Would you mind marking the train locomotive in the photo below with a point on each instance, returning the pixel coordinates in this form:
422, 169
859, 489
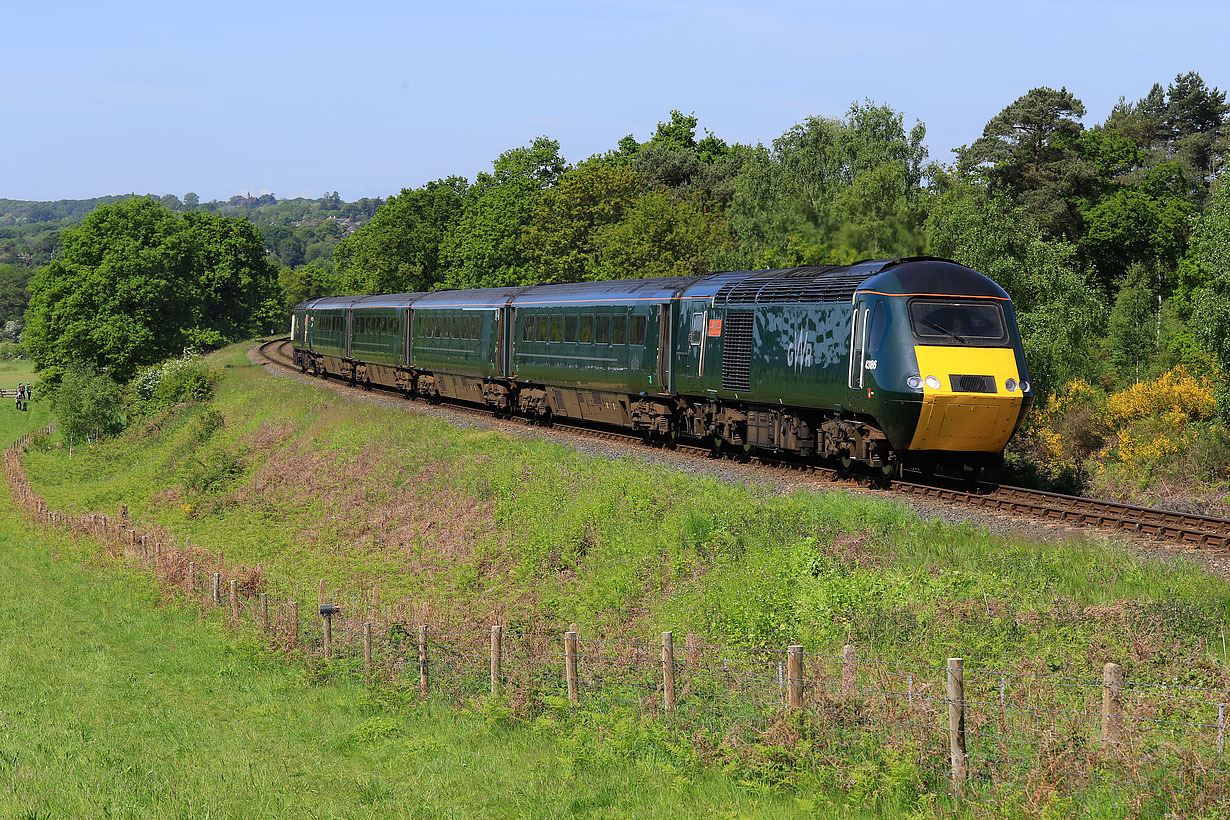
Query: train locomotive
890, 363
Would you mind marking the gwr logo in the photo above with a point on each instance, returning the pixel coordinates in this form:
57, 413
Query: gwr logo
800, 352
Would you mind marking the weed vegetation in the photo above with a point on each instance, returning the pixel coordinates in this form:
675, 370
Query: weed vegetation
468, 527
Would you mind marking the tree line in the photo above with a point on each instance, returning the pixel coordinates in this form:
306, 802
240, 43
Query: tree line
1111, 237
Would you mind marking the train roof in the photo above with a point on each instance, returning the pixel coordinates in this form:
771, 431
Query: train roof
379, 300
620, 291
932, 277
920, 275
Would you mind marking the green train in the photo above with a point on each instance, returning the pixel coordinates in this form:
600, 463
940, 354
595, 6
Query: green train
888, 363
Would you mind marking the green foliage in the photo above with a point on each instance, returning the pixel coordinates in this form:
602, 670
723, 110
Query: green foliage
175, 381
559, 243
87, 405
838, 189
1211, 310
399, 249
1030, 152
1134, 325
484, 248
136, 283
659, 236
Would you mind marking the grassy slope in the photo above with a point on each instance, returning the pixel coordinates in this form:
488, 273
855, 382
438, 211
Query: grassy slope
114, 706
474, 526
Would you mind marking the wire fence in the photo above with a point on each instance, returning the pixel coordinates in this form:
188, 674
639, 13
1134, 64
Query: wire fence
987, 736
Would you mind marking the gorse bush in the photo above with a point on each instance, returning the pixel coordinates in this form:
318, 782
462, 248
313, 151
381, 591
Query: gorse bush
1167, 427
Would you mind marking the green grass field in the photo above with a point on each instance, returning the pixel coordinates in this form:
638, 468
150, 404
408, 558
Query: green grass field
129, 708
115, 704
471, 527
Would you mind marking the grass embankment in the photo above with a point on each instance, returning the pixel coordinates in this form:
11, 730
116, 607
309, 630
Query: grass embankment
112, 705
473, 527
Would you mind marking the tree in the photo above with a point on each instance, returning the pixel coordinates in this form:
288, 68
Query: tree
1211, 313
483, 249
832, 190
136, 283
1134, 324
307, 282
559, 241
399, 249
1031, 152
1133, 226
86, 405
191, 200
659, 236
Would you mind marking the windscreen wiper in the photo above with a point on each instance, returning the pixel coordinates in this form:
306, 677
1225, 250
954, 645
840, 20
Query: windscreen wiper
944, 330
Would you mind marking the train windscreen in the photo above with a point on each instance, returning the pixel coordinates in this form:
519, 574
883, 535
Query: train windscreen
958, 323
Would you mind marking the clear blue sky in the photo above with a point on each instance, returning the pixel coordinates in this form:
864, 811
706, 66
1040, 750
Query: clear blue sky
367, 98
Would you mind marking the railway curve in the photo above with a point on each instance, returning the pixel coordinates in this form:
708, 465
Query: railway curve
1078, 511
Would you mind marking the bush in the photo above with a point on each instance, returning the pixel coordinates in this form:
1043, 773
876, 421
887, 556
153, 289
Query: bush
175, 381
12, 350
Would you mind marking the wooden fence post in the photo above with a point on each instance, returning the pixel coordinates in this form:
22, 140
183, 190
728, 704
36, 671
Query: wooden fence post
1112, 704
570, 666
192, 578
497, 635
294, 625
328, 634
956, 724
367, 648
265, 611
423, 660
849, 672
217, 589
794, 676
668, 671
234, 601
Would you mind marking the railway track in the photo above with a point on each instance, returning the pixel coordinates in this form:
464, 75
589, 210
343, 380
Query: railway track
1168, 525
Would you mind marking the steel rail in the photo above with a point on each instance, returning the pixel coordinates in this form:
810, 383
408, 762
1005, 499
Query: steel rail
1078, 511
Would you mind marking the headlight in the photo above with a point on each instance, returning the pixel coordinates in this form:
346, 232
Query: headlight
933, 383
1024, 387
913, 382
1010, 385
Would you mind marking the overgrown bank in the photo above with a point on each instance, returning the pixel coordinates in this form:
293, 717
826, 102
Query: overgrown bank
472, 527
739, 565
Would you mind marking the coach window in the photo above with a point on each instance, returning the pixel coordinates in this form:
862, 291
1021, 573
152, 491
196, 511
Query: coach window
570, 328
542, 327
557, 328
638, 331
587, 329
602, 330
527, 329
619, 330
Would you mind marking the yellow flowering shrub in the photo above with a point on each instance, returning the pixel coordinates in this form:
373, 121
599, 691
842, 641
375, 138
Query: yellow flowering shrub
1140, 428
1176, 397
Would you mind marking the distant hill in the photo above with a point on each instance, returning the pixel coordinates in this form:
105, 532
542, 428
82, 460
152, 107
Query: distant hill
30, 230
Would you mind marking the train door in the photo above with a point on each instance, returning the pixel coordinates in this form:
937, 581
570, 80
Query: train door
348, 325
664, 349
502, 326
858, 348
689, 355
406, 343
